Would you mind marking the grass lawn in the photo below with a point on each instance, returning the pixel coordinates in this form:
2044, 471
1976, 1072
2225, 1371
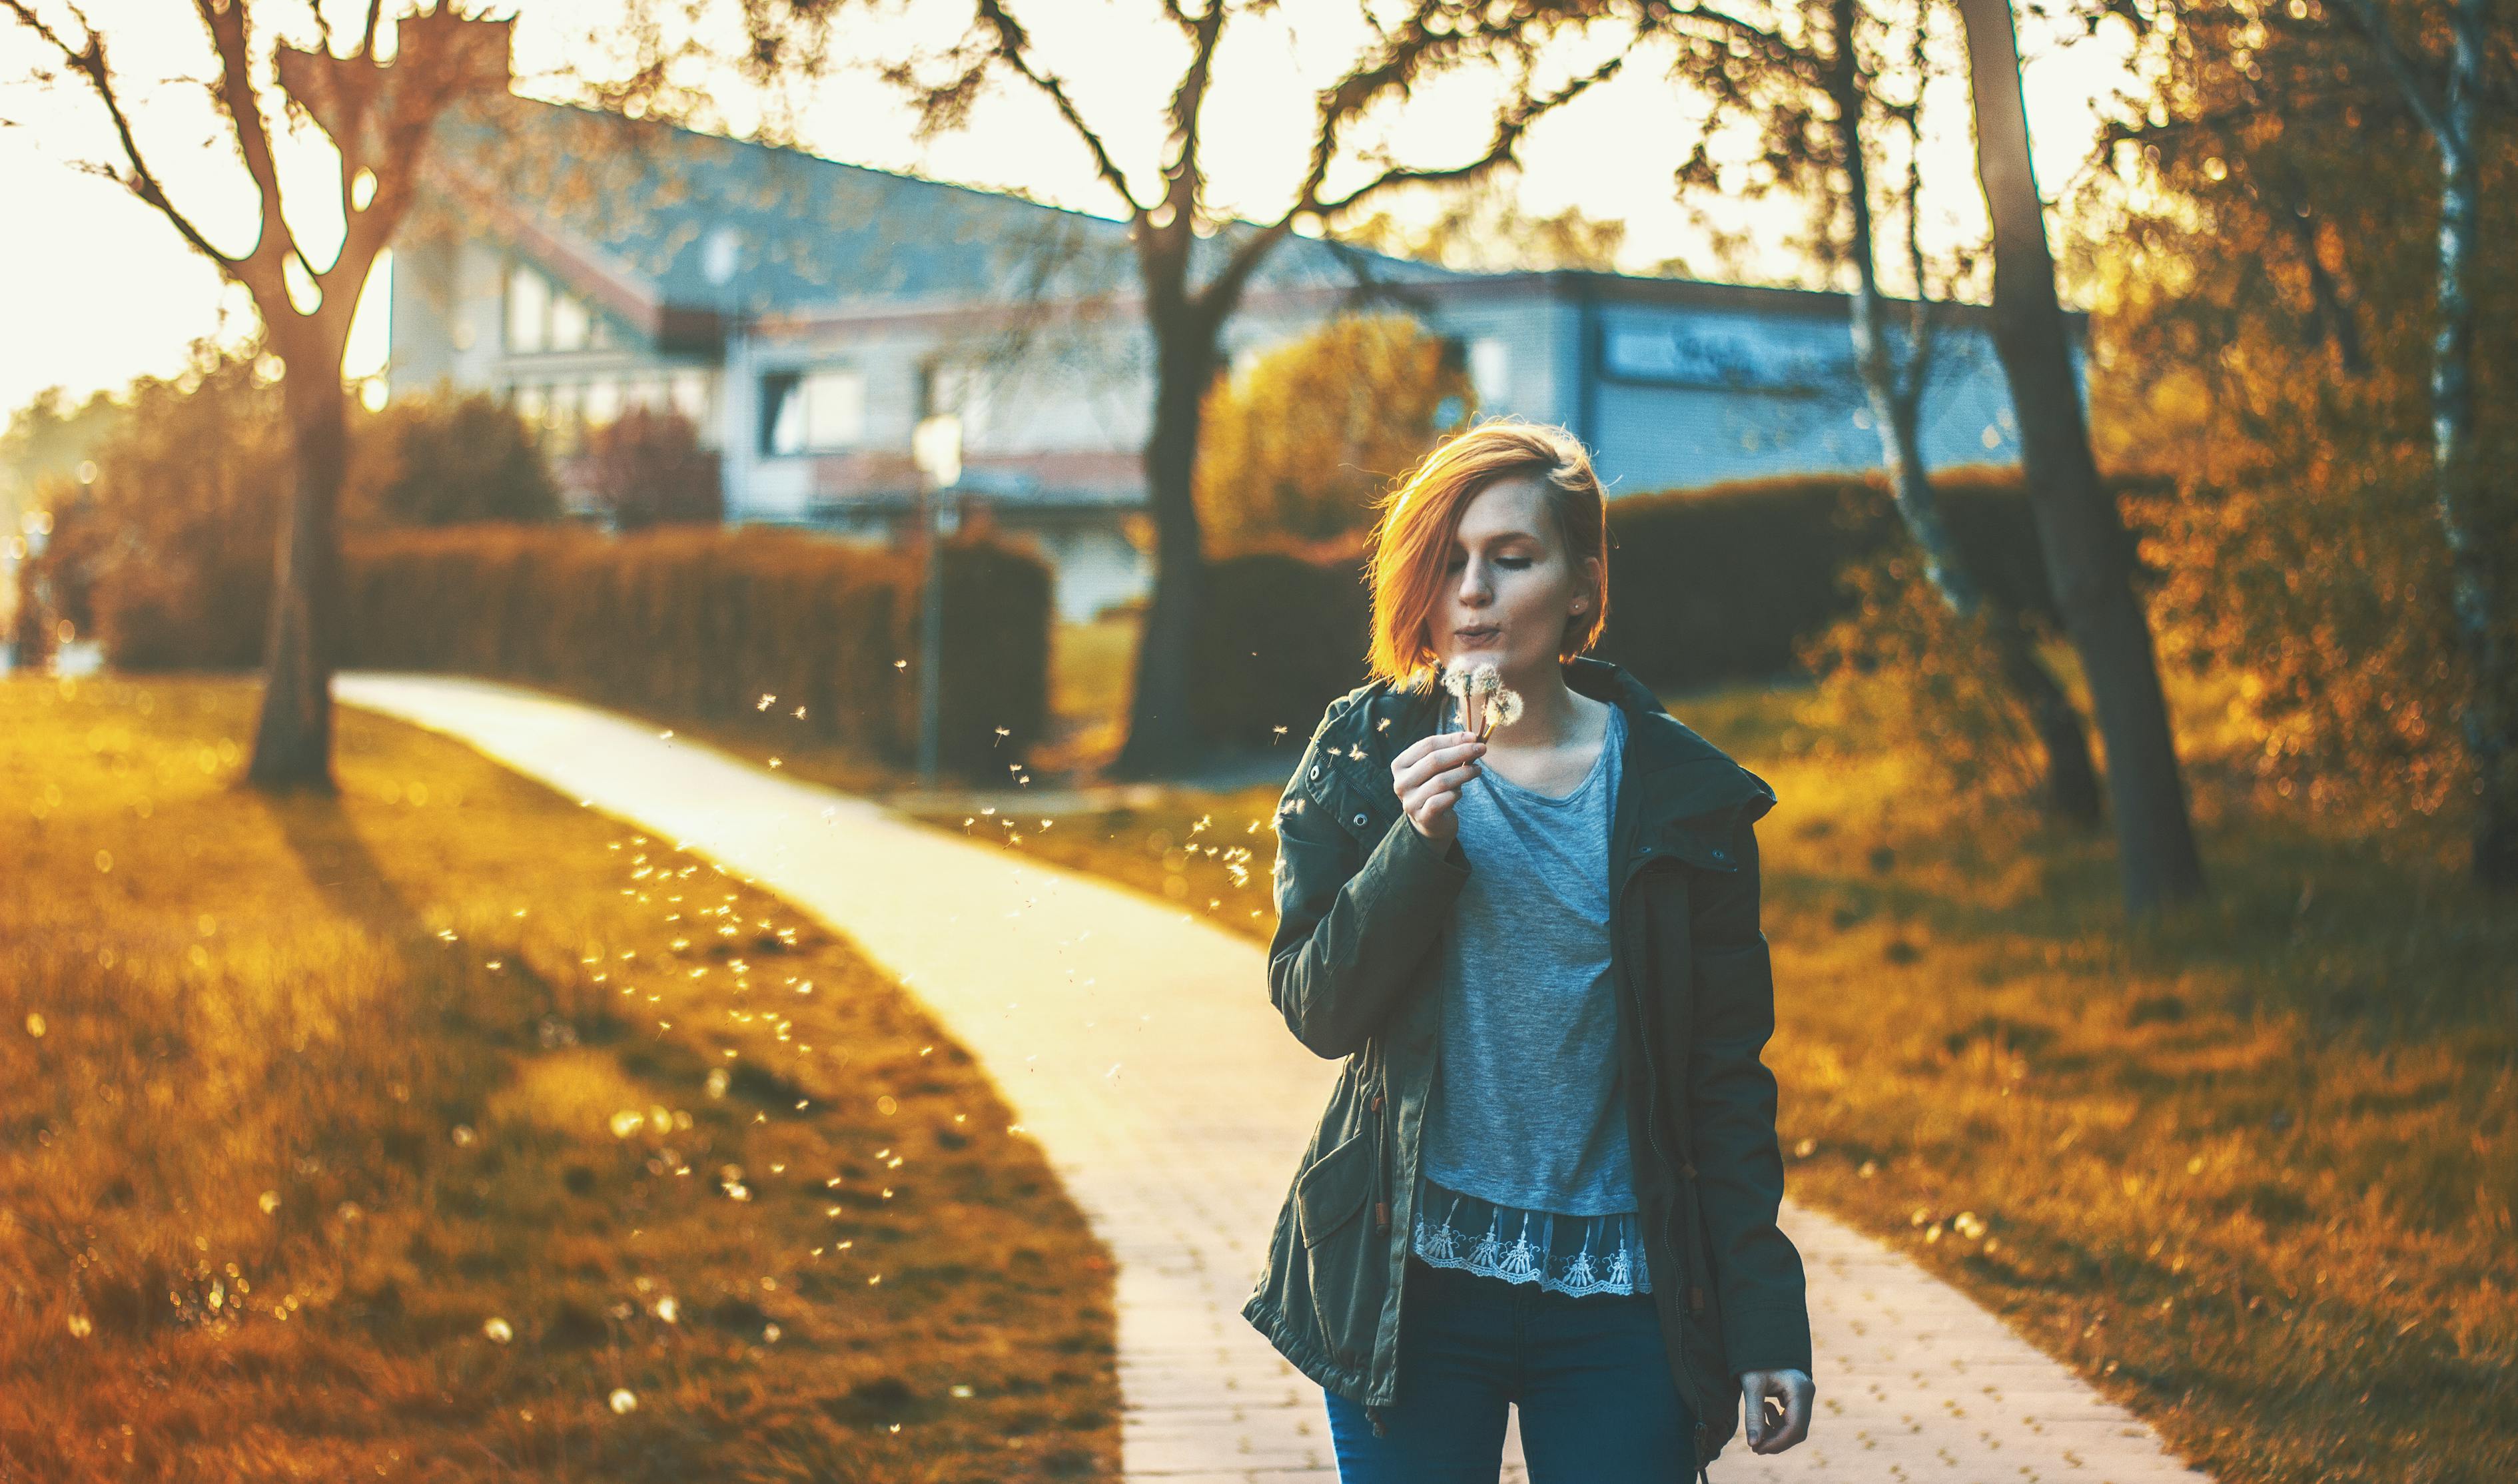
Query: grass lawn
446, 1130
2249, 1168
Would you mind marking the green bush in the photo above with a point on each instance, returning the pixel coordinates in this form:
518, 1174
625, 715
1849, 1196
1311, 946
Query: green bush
704, 622
1278, 637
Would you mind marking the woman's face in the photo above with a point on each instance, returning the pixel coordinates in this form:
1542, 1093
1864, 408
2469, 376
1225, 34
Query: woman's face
1507, 587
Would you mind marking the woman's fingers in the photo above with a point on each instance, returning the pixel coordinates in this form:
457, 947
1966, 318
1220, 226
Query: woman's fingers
1424, 761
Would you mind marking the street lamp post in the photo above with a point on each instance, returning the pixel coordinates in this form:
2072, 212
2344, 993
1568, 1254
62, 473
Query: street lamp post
937, 448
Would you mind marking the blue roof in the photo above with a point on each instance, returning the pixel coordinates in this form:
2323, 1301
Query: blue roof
706, 222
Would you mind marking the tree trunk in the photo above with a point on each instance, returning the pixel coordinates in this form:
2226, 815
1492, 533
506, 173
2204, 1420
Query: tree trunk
1162, 742
2491, 707
292, 744
2089, 554
2071, 781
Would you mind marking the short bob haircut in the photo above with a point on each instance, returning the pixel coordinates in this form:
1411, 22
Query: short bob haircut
1420, 515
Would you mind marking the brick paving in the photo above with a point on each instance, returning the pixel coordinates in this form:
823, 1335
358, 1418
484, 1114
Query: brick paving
1136, 1044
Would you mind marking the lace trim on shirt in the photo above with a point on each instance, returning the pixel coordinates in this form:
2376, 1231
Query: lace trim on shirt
1563, 1253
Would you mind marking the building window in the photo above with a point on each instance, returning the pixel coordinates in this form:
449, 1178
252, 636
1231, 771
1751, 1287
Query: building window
567, 323
961, 390
811, 412
528, 309
1488, 372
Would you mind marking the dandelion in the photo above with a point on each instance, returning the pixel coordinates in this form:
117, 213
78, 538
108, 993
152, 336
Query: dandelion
1485, 702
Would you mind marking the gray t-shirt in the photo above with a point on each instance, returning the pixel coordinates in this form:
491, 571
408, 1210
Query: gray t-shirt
1526, 1108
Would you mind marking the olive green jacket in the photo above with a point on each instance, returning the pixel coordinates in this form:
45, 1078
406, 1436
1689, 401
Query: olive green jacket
1362, 898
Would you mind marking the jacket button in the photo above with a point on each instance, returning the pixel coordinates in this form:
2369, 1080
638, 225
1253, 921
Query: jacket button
1358, 818
1315, 769
1719, 854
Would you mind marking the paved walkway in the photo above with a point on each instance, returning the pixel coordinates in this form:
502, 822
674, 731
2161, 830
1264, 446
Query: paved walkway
1139, 1047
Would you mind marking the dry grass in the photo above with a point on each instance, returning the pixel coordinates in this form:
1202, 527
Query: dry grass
2250, 1169
297, 1097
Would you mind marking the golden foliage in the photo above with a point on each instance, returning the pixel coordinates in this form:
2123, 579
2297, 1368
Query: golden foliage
1296, 448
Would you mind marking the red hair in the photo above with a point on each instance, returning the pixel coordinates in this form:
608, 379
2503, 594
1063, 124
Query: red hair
1420, 515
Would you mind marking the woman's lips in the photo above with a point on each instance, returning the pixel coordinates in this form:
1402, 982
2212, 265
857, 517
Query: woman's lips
1477, 635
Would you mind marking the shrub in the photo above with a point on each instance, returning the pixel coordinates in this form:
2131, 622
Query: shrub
704, 622
646, 467
442, 458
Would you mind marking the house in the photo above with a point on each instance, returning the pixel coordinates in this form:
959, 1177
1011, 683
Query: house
807, 314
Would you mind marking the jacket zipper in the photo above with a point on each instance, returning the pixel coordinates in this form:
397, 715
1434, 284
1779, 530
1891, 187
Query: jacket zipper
1381, 1152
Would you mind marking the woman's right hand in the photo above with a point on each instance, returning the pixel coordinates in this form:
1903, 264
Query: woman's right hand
1428, 778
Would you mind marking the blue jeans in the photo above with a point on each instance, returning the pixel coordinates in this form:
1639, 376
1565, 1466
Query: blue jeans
1590, 1374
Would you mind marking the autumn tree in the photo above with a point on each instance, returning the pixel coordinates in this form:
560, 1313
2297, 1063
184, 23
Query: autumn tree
2089, 553
373, 91
1298, 445
2275, 341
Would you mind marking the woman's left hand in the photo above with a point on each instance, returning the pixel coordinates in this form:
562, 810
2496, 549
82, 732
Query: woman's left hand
1789, 1391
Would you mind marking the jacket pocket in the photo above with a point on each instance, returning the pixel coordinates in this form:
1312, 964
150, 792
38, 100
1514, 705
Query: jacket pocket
1343, 1265
1359, 811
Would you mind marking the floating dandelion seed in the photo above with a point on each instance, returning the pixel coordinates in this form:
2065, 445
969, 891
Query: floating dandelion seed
624, 1401
901, 664
80, 1328
269, 1202
965, 1390
500, 1330
669, 1310
770, 1332
35, 1026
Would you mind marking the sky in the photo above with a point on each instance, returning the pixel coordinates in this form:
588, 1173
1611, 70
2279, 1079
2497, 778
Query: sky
101, 290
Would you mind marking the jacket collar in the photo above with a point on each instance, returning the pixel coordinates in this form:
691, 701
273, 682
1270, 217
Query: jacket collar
1675, 775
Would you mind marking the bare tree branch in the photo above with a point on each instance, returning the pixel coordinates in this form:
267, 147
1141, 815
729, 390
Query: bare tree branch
1013, 44
88, 60
1526, 111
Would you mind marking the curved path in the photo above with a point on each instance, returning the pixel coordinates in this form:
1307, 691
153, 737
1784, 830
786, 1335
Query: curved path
1138, 1045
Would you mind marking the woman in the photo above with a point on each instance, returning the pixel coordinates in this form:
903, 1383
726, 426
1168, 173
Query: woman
1549, 1175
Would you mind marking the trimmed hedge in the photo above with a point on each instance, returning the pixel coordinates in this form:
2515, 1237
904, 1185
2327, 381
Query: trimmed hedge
1719, 584
704, 622
1704, 587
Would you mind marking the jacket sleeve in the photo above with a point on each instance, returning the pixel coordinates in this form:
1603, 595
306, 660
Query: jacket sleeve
1350, 926
1731, 1098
